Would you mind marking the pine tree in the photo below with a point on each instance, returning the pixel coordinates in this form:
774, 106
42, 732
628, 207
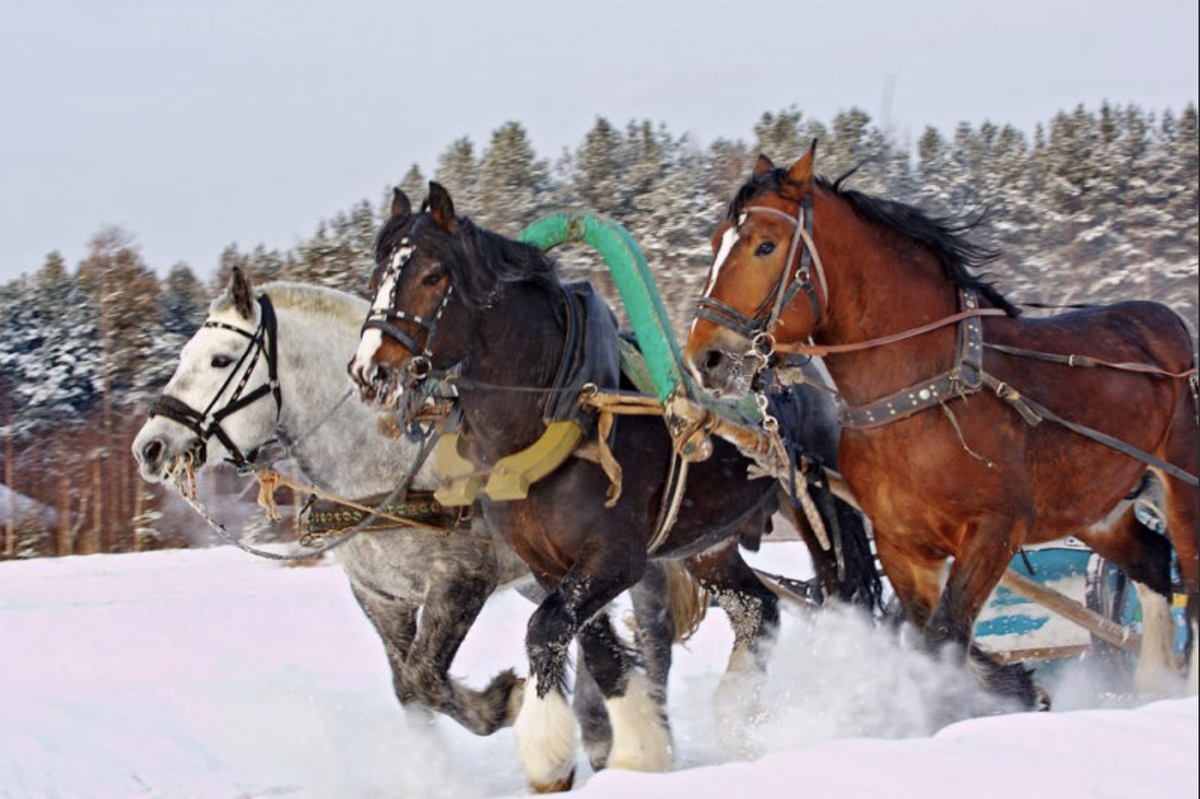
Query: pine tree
512, 181
778, 137
599, 169
458, 171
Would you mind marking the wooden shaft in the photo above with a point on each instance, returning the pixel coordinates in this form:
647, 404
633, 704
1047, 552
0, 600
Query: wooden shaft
1071, 610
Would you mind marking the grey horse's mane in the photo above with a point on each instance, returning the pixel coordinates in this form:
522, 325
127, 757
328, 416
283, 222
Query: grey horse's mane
338, 305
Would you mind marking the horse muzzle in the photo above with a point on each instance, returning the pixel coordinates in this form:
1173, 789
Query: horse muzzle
722, 372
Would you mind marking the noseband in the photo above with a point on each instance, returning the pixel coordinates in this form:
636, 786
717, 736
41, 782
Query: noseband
384, 319
759, 325
207, 423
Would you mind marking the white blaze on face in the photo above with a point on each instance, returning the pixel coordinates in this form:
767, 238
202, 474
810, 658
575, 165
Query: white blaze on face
372, 339
728, 240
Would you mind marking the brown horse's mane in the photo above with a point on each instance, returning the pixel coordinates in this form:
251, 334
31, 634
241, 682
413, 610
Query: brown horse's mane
947, 238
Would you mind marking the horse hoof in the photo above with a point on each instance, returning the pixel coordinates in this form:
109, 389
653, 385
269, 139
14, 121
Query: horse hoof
1041, 701
557, 786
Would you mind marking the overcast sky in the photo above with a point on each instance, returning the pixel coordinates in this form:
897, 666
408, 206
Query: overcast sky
197, 123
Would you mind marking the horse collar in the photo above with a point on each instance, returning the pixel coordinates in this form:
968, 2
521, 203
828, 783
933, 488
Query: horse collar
963, 378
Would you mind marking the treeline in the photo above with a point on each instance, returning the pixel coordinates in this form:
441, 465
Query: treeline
1094, 206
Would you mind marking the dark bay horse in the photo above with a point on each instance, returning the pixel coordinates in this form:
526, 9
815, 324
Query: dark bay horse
491, 316
968, 431
421, 586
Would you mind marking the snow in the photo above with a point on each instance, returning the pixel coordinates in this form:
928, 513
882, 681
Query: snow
210, 673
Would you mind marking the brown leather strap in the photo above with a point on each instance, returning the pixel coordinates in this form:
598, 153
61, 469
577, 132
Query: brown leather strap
821, 351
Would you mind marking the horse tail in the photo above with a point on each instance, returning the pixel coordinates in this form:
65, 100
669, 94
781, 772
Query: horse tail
858, 579
686, 600
847, 571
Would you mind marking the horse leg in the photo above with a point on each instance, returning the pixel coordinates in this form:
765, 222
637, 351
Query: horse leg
980, 562
915, 577
752, 608
1145, 557
753, 613
451, 607
641, 739
1183, 522
395, 620
654, 634
545, 725
594, 726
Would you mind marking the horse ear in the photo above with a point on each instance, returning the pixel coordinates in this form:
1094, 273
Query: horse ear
400, 204
441, 207
763, 165
801, 172
241, 293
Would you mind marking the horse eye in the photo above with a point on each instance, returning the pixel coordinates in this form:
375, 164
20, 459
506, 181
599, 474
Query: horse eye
432, 279
221, 361
766, 248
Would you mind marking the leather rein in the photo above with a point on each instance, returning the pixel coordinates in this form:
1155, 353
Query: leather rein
965, 377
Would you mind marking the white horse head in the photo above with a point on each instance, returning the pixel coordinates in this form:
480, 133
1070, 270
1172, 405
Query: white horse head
223, 401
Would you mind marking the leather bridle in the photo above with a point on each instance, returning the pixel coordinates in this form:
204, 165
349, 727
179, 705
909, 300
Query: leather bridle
808, 277
385, 319
207, 423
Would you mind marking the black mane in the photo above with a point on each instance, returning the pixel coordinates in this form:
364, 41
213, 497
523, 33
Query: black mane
946, 237
479, 261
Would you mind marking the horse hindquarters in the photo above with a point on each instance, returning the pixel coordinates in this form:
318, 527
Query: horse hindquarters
1183, 517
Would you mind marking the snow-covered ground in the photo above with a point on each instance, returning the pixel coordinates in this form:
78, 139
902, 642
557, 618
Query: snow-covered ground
210, 673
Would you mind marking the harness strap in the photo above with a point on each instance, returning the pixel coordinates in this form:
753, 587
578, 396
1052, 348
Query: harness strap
1087, 361
961, 380
833, 349
1012, 397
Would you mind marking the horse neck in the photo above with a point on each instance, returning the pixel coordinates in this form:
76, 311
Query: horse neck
337, 446
879, 284
516, 343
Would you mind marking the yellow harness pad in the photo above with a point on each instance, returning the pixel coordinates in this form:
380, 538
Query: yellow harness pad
512, 475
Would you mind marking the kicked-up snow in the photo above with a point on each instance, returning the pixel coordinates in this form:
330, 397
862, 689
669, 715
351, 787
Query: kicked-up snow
213, 674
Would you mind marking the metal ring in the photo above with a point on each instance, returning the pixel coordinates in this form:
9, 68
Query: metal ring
420, 367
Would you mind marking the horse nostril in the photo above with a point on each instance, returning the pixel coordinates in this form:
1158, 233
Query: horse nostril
152, 452
712, 359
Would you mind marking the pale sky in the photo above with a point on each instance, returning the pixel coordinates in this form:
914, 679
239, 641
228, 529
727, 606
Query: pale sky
194, 124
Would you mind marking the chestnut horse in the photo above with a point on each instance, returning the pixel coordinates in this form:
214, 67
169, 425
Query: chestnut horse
968, 432
490, 315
